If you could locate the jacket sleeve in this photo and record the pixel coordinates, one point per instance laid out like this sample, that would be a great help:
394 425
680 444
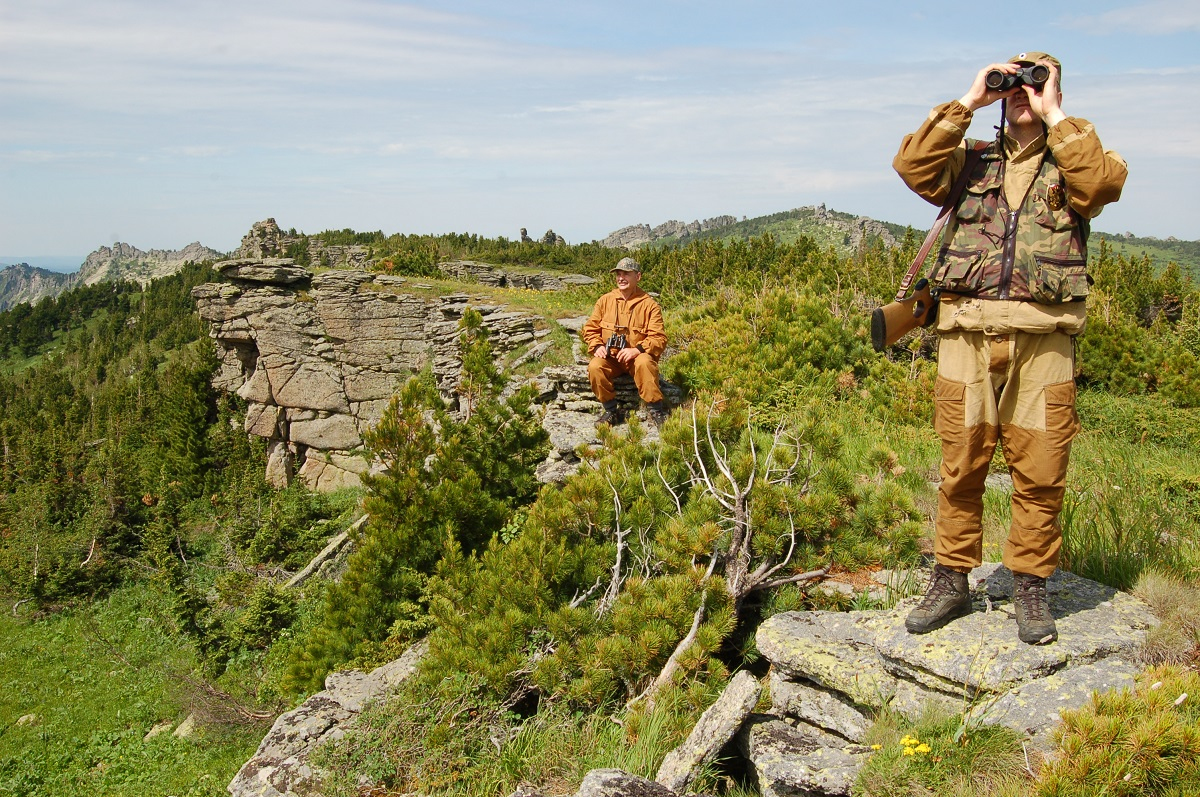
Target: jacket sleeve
656 333
592 331
930 159
1094 176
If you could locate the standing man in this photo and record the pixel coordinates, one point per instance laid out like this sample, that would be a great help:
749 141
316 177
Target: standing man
625 334
1012 276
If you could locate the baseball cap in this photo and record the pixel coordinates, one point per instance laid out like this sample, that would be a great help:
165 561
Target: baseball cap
627 264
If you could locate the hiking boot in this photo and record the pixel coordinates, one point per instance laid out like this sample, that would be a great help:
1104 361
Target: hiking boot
612 415
1035 624
947 598
659 414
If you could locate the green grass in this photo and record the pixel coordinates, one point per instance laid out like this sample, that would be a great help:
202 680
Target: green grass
95 680
930 756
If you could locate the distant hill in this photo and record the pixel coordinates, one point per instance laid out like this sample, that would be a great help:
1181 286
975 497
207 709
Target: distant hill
844 231
829 228
1160 251
23 283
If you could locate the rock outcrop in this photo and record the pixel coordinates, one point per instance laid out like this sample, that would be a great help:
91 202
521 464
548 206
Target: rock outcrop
637 235
124 262
317 357
266 240
832 671
280 767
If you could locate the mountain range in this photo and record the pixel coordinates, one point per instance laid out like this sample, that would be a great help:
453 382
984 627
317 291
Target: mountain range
828 228
22 282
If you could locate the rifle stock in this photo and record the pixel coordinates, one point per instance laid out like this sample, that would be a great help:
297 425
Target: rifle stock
896 319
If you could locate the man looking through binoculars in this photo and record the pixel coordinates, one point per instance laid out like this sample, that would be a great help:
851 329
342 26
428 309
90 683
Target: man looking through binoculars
1011 276
625 334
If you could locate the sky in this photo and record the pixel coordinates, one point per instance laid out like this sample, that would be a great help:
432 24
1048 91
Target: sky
162 122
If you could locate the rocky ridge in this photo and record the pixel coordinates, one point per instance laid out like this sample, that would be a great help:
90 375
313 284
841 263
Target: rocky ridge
844 231
317 357
21 282
122 261
637 235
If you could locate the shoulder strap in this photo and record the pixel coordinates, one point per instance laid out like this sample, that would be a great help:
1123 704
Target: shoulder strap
973 155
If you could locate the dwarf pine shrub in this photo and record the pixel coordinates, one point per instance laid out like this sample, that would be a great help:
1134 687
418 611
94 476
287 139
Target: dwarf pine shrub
1140 741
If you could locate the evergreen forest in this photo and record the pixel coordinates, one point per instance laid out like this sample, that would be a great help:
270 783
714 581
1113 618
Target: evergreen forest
144 559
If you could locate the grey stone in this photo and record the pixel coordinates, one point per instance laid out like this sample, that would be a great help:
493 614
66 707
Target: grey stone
280 767
186 729
271 271
717 725
981 652
835 650
615 783
820 707
789 760
332 432
1036 707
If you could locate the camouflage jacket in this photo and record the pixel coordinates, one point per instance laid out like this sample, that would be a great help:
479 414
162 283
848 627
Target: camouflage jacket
1035 251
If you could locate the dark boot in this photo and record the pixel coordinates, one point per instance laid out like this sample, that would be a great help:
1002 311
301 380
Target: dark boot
612 415
658 413
947 598
1035 624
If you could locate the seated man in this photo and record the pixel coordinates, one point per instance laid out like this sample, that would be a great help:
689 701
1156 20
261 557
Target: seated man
625 334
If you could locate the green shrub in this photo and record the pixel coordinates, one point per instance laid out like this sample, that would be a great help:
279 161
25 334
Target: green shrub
1141 741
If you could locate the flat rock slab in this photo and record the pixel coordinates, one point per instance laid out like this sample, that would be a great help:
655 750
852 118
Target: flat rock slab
1035 708
835 650
981 652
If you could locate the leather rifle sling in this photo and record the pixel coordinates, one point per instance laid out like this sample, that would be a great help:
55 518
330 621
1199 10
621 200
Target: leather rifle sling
972 157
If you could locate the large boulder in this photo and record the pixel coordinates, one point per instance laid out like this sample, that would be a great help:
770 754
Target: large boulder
832 672
281 766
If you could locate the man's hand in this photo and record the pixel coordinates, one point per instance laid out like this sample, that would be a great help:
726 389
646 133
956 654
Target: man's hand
600 351
627 356
1046 104
980 96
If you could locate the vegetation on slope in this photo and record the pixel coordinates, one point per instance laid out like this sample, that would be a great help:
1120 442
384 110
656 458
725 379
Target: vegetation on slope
628 594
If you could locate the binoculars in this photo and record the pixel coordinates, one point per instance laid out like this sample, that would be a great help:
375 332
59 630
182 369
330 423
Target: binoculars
616 342
1035 76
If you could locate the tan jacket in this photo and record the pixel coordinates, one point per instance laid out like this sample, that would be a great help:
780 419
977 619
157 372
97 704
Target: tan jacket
929 162
640 314
930 159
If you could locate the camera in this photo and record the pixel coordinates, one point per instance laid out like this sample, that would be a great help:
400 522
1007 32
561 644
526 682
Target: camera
616 342
1035 76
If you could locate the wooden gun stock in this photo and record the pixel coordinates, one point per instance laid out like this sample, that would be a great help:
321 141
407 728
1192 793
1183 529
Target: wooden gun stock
896 319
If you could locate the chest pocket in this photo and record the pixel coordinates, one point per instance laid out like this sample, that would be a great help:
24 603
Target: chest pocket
980 198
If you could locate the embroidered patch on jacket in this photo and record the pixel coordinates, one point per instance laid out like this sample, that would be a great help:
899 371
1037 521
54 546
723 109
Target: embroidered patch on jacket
1056 197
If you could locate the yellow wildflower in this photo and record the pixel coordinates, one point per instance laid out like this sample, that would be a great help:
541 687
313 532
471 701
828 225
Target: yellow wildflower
923 748
909 751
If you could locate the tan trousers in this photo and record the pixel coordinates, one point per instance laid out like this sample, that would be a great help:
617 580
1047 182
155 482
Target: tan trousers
602 372
1017 389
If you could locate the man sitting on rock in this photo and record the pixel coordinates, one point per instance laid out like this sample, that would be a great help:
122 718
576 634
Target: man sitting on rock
625 334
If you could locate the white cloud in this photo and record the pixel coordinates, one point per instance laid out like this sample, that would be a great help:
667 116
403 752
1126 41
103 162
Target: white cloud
1159 18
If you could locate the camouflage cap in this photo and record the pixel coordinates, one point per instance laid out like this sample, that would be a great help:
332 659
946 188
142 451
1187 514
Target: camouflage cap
627 264
1033 57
